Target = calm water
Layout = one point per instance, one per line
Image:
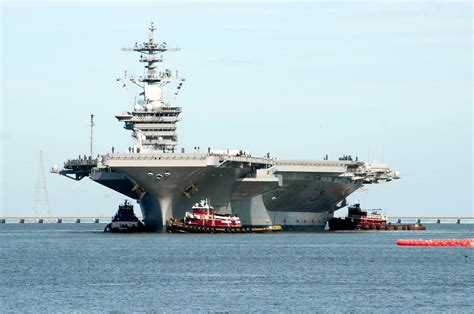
(76, 267)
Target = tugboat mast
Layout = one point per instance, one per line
(153, 119)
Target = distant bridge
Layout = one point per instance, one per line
(56, 219)
(437, 219)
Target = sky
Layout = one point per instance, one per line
(381, 80)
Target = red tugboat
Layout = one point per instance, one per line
(203, 219)
(203, 215)
(358, 219)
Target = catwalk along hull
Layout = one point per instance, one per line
(295, 194)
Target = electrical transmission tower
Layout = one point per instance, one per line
(41, 204)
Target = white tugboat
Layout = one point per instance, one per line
(166, 181)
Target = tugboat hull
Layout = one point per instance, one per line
(179, 226)
(125, 227)
(342, 224)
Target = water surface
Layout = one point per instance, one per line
(76, 267)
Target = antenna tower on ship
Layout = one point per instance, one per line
(41, 203)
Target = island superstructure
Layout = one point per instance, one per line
(153, 120)
(262, 191)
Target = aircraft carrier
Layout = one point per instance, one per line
(167, 181)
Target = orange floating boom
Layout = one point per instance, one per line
(436, 242)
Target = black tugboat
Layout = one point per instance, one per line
(125, 220)
(358, 219)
